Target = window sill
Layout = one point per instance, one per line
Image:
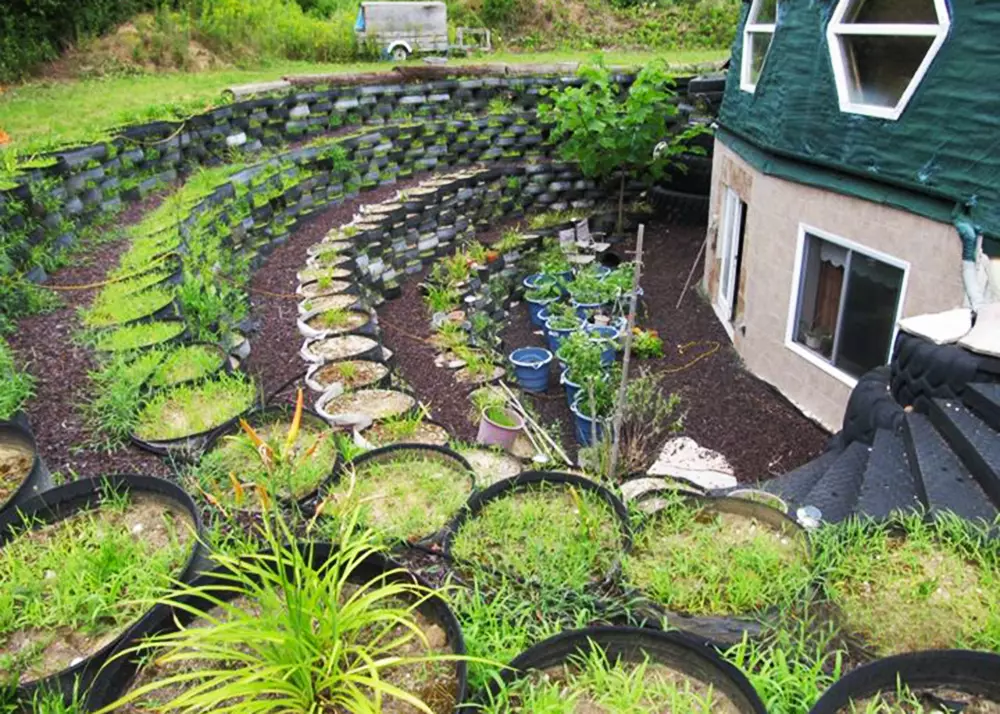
(817, 361)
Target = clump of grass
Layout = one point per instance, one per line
(16, 385)
(119, 309)
(912, 584)
(553, 534)
(695, 560)
(193, 409)
(118, 398)
(135, 337)
(405, 499)
(86, 574)
(186, 364)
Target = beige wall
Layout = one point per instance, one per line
(775, 210)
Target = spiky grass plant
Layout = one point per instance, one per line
(287, 631)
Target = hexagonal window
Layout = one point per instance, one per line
(881, 49)
(757, 35)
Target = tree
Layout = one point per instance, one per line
(606, 131)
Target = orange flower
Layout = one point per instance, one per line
(4, 137)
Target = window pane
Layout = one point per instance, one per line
(760, 43)
(822, 278)
(869, 315)
(767, 12)
(916, 12)
(880, 68)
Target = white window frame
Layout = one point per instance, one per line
(746, 82)
(838, 56)
(733, 219)
(796, 293)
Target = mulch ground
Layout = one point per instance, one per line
(725, 408)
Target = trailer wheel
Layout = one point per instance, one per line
(399, 53)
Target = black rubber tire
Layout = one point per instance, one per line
(113, 681)
(923, 371)
(976, 673)
(678, 650)
(687, 209)
(37, 480)
(63, 501)
(871, 407)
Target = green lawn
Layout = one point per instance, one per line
(45, 115)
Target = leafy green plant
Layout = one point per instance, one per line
(608, 131)
(441, 298)
(118, 395)
(186, 364)
(138, 336)
(16, 385)
(546, 290)
(646, 344)
(582, 357)
(297, 632)
(597, 397)
(588, 289)
(510, 241)
(499, 105)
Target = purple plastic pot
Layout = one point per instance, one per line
(493, 434)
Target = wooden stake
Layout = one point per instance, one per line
(687, 282)
(541, 432)
(593, 413)
(630, 326)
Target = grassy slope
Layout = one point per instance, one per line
(49, 114)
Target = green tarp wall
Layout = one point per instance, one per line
(945, 146)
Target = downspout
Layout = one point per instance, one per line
(968, 232)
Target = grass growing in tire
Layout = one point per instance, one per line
(193, 409)
(694, 560)
(70, 585)
(913, 584)
(553, 534)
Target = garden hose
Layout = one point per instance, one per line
(681, 349)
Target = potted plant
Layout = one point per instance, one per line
(590, 293)
(583, 362)
(498, 424)
(531, 367)
(817, 337)
(562, 322)
(543, 294)
(592, 409)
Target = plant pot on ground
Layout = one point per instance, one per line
(347, 375)
(188, 363)
(342, 347)
(80, 564)
(540, 297)
(287, 452)
(355, 605)
(405, 492)
(338, 321)
(558, 530)
(363, 406)
(499, 426)
(611, 669)
(313, 306)
(139, 336)
(22, 475)
(559, 326)
(181, 418)
(718, 557)
(594, 406)
(909, 585)
(412, 428)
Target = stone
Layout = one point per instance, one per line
(941, 328)
(682, 458)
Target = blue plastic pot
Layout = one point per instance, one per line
(601, 271)
(536, 280)
(535, 307)
(555, 336)
(582, 425)
(585, 309)
(607, 337)
(572, 388)
(531, 367)
(544, 314)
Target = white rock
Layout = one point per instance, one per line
(236, 139)
(682, 458)
(941, 328)
(137, 529)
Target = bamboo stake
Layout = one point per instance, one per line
(593, 413)
(542, 433)
(623, 387)
(694, 266)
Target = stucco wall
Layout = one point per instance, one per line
(775, 210)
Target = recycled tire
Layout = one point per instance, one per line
(678, 650)
(185, 448)
(263, 415)
(63, 501)
(116, 677)
(37, 479)
(975, 673)
(526, 480)
(923, 371)
(225, 367)
(871, 407)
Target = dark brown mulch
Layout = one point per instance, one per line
(60, 366)
(725, 407)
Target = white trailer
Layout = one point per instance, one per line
(400, 29)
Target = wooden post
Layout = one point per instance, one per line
(623, 387)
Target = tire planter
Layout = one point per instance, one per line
(177, 333)
(652, 503)
(409, 453)
(330, 302)
(374, 404)
(313, 290)
(429, 433)
(681, 652)
(22, 475)
(324, 377)
(116, 678)
(264, 416)
(965, 671)
(223, 366)
(923, 371)
(62, 502)
(308, 275)
(529, 480)
(359, 322)
(344, 347)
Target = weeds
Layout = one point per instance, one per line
(16, 385)
(192, 409)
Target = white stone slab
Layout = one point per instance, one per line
(984, 338)
(941, 328)
(682, 458)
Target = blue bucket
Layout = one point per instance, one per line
(601, 271)
(585, 309)
(606, 336)
(531, 367)
(572, 388)
(581, 425)
(535, 307)
(544, 314)
(555, 337)
(536, 280)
